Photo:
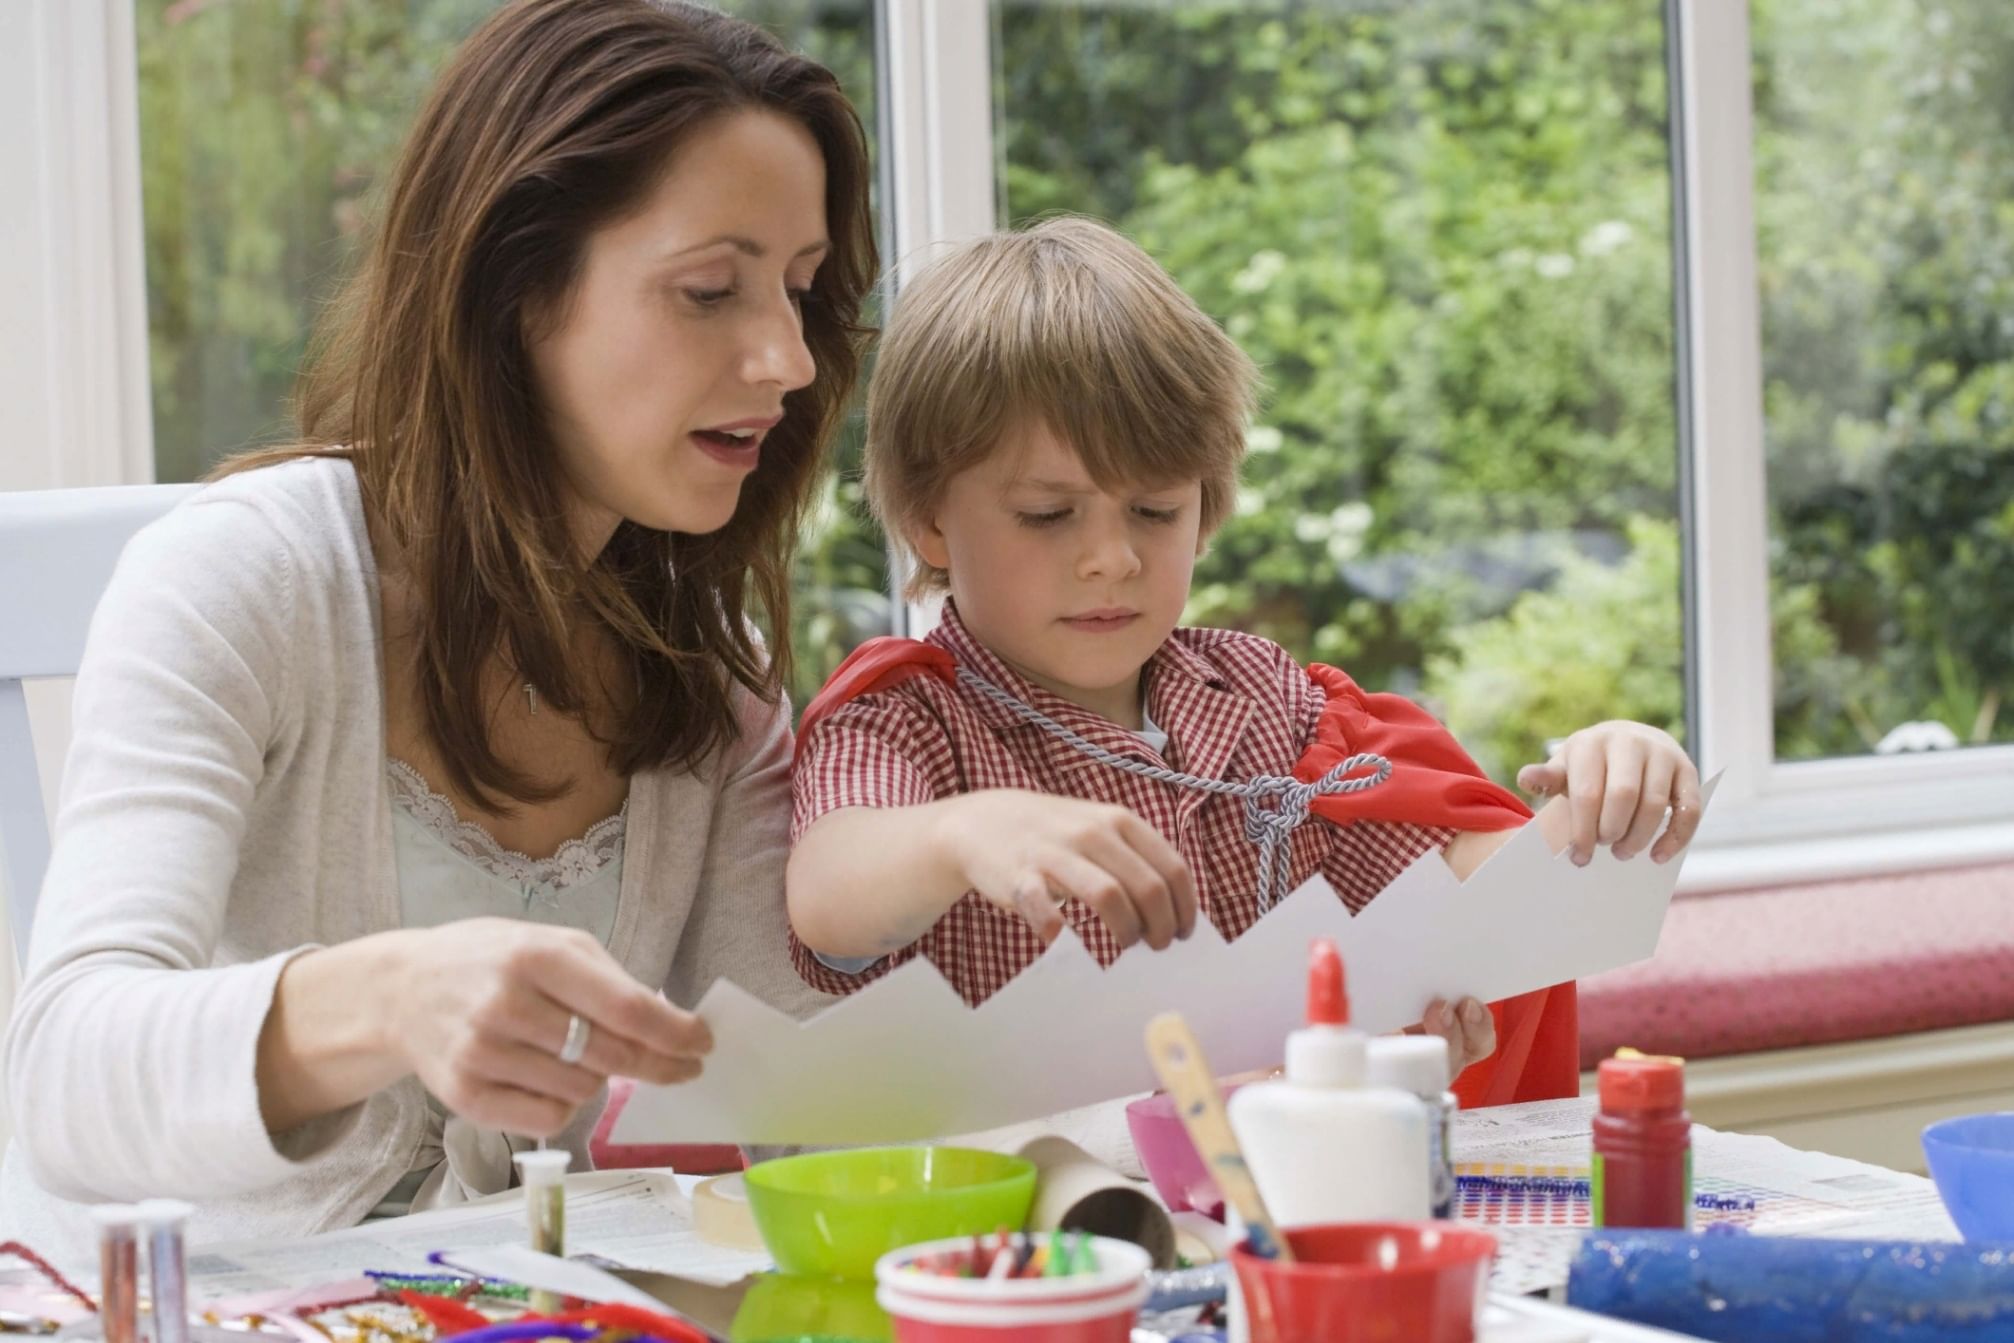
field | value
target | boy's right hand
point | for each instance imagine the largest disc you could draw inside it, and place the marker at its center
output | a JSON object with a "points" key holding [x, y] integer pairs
{"points": [[1027, 852]]}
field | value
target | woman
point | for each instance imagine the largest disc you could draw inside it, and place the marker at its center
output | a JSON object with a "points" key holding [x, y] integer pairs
{"points": [[413, 760]]}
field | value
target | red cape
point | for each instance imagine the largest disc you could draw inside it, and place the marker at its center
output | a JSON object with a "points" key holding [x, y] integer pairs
{"points": [[1433, 782]]}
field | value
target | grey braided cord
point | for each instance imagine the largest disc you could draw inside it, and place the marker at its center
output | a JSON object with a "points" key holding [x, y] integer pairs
{"points": [[1267, 827]]}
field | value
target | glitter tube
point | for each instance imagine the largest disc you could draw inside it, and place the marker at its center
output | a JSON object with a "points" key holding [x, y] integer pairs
{"points": [[544, 1176], [168, 1266], [1766, 1289], [118, 1271]]}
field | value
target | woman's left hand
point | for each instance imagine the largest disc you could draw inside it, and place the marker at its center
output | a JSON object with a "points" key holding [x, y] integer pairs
{"points": [[1618, 779]]}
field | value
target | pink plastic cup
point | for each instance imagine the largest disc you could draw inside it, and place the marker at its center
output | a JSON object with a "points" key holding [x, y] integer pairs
{"points": [[1179, 1175]]}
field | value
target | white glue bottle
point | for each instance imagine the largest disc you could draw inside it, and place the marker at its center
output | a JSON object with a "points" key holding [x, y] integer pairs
{"points": [[1418, 1065], [1322, 1143]]}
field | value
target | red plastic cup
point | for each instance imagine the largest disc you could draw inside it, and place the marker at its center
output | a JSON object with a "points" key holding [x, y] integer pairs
{"points": [[1083, 1308], [1369, 1282]]}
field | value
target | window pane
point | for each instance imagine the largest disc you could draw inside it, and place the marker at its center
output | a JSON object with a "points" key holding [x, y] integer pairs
{"points": [[1884, 180], [264, 130], [1442, 228]]}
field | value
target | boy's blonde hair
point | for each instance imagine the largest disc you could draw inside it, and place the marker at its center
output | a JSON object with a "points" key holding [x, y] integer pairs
{"points": [[1067, 324]]}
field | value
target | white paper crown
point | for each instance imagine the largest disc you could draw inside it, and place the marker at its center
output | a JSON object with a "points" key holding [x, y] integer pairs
{"points": [[906, 1059]]}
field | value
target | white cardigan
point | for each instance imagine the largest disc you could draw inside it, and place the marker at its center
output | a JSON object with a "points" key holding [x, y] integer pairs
{"points": [[225, 807]]}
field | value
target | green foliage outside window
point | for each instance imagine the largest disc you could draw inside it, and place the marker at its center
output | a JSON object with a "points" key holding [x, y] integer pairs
{"points": [[1442, 227], [1442, 230], [1885, 209], [266, 126]]}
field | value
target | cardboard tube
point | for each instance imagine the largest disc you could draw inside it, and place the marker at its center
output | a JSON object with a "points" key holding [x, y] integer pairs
{"points": [[1076, 1192]]}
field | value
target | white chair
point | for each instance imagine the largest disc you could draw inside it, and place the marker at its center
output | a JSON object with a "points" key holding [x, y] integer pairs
{"points": [[57, 551]]}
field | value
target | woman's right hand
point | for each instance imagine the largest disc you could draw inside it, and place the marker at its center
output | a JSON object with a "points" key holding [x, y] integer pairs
{"points": [[482, 1008], [1027, 851]]}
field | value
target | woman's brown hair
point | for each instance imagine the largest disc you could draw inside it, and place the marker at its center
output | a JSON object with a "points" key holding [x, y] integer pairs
{"points": [[555, 118]]}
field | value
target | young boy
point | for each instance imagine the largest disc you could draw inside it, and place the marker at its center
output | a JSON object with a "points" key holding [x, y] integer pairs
{"points": [[1054, 431]]}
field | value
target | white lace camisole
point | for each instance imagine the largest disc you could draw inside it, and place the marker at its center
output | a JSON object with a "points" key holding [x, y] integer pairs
{"points": [[452, 869]]}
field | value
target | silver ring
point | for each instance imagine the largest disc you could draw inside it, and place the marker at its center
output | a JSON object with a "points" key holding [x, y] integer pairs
{"points": [[574, 1049]]}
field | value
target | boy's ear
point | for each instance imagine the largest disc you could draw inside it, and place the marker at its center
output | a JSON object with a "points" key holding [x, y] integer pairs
{"points": [[928, 543]]}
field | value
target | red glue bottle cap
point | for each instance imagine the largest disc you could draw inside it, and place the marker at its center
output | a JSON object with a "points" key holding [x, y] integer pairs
{"points": [[1328, 999], [1326, 1052], [1633, 1083]]}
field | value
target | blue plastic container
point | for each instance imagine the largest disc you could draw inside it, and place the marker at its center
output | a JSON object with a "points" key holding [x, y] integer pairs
{"points": [[1972, 1161]]}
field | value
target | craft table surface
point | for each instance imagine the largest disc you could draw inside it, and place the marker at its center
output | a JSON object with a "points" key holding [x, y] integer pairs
{"points": [[1795, 1193]]}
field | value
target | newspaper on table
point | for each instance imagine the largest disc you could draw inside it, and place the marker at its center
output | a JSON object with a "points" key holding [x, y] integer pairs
{"points": [[1796, 1193], [637, 1219]]}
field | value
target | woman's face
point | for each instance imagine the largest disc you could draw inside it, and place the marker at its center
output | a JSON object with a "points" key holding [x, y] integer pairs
{"points": [[669, 365]]}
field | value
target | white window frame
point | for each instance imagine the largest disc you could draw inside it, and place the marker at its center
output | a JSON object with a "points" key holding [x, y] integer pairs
{"points": [[936, 73], [75, 405], [1773, 822], [81, 409]]}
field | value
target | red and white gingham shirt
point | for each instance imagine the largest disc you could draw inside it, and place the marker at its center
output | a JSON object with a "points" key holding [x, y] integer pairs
{"points": [[1233, 705]]}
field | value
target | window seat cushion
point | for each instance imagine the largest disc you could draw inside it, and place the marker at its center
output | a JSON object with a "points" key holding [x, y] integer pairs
{"points": [[1786, 967]]}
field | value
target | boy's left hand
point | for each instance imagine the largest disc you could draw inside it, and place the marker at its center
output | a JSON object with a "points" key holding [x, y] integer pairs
{"points": [[1618, 778], [1467, 1026]]}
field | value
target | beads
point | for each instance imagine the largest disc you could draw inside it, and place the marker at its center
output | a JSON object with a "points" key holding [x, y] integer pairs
{"points": [[447, 1284]]}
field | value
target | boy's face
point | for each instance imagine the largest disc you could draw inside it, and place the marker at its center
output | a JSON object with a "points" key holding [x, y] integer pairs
{"points": [[1071, 586]]}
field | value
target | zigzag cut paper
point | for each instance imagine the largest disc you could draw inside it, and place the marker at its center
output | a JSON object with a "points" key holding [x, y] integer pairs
{"points": [[905, 1059]]}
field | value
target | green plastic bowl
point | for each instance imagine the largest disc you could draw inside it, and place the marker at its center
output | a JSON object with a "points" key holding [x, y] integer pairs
{"points": [[832, 1214], [782, 1309]]}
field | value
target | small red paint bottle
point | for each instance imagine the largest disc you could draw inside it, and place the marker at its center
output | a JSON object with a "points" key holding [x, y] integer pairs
{"points": [[1642, 1170]]}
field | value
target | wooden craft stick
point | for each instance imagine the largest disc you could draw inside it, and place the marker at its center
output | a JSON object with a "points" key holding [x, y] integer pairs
{"points": [[1186, 1074]]}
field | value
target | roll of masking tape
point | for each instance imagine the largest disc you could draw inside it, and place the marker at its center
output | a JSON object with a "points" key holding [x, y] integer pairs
{"points": [[721, 1215]]}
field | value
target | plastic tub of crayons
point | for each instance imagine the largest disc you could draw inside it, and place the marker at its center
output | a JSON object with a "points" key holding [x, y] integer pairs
{"points": [[1069, 1288]]}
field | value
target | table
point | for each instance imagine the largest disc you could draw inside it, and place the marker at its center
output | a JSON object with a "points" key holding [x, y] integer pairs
{"points": [[1790, 1192]]}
